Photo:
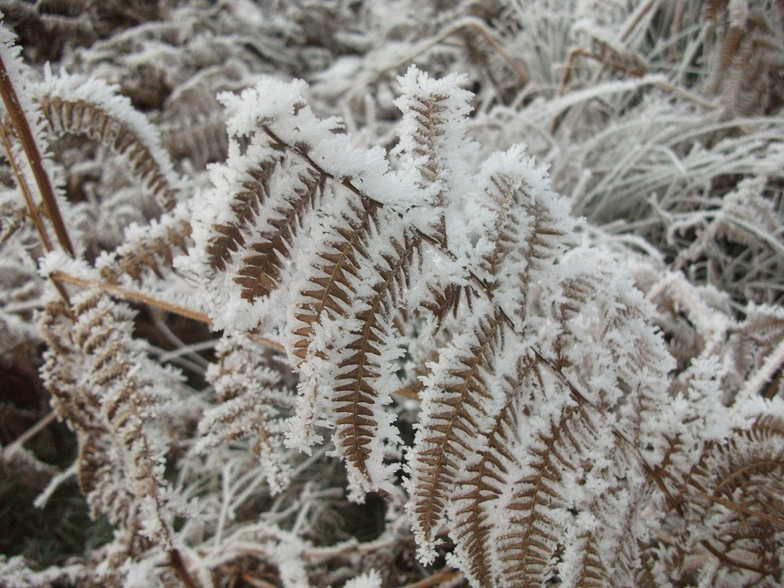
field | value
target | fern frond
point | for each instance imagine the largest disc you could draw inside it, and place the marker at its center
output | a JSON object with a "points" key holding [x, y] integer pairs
{"points": [[364, 381], [481, 485], [353, 287], [537, 503], [252, 404], [532, 228], [260, 271], [749, 51], [327, 289], [152, 248], [227, 234], [432, 131], [755, 351], [76, 106], [459, 407], [461, 402], [745, 470], [60, 373], [598, 309], [114, 405], [588, 570], [192, 122]]}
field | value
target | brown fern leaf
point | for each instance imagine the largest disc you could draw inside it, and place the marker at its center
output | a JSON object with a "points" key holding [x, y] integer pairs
{"points": [[356, 394], [527, 550], [261, 270], [192, 121], [466, 388], [599, 357], [154, 251], [114, 404], [353, 287], [645, 576], [713, 8], [480, 485], [100, 480], [747, 63], [620, 564], [200, 137], [590, 572], [453, 419], [252, 404], [82, 117], [531, 233], [228, 237], [336, 266], [755, 350], [60, 371], [428, 109], [737, 486], [432, 131]]}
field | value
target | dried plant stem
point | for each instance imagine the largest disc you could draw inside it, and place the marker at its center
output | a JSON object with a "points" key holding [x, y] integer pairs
{"points": [[743, 509], [28, 196], [675, 29], [178, 564], [131, 295], [434, 580], [635, 19], [25, 134], [29, 434], [257, 582], [707, 104], [135, 296]]}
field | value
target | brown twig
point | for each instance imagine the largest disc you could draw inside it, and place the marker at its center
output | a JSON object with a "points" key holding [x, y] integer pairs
{"points": [[257, 582], [434, 580], [676, 28], [28, 196], [743, 509], [636, 19], [178, 564], [131, 295], [135, 296], [29, 434], [25, 134]]}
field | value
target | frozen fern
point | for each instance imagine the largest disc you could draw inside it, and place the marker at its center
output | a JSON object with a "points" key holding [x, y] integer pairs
{"points": [[418, 352]]}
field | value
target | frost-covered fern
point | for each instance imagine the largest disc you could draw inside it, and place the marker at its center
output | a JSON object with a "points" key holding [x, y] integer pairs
{"points": [[372, 344]]}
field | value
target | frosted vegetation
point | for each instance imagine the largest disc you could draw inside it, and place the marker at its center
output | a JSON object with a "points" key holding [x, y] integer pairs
{"points": [[358, 293]]}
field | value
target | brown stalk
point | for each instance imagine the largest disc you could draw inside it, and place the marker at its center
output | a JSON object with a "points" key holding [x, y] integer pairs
{"points": [[435, 579], [178, 564], [25, 134], [28, 196], [743, 509], [131, 295], [126, 294]]}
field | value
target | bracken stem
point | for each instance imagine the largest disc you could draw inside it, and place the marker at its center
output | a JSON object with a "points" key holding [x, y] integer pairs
{"points": [[25, 134], [178, 565], [436, 579], [28, 196], [743, 509], [126, 294]]}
